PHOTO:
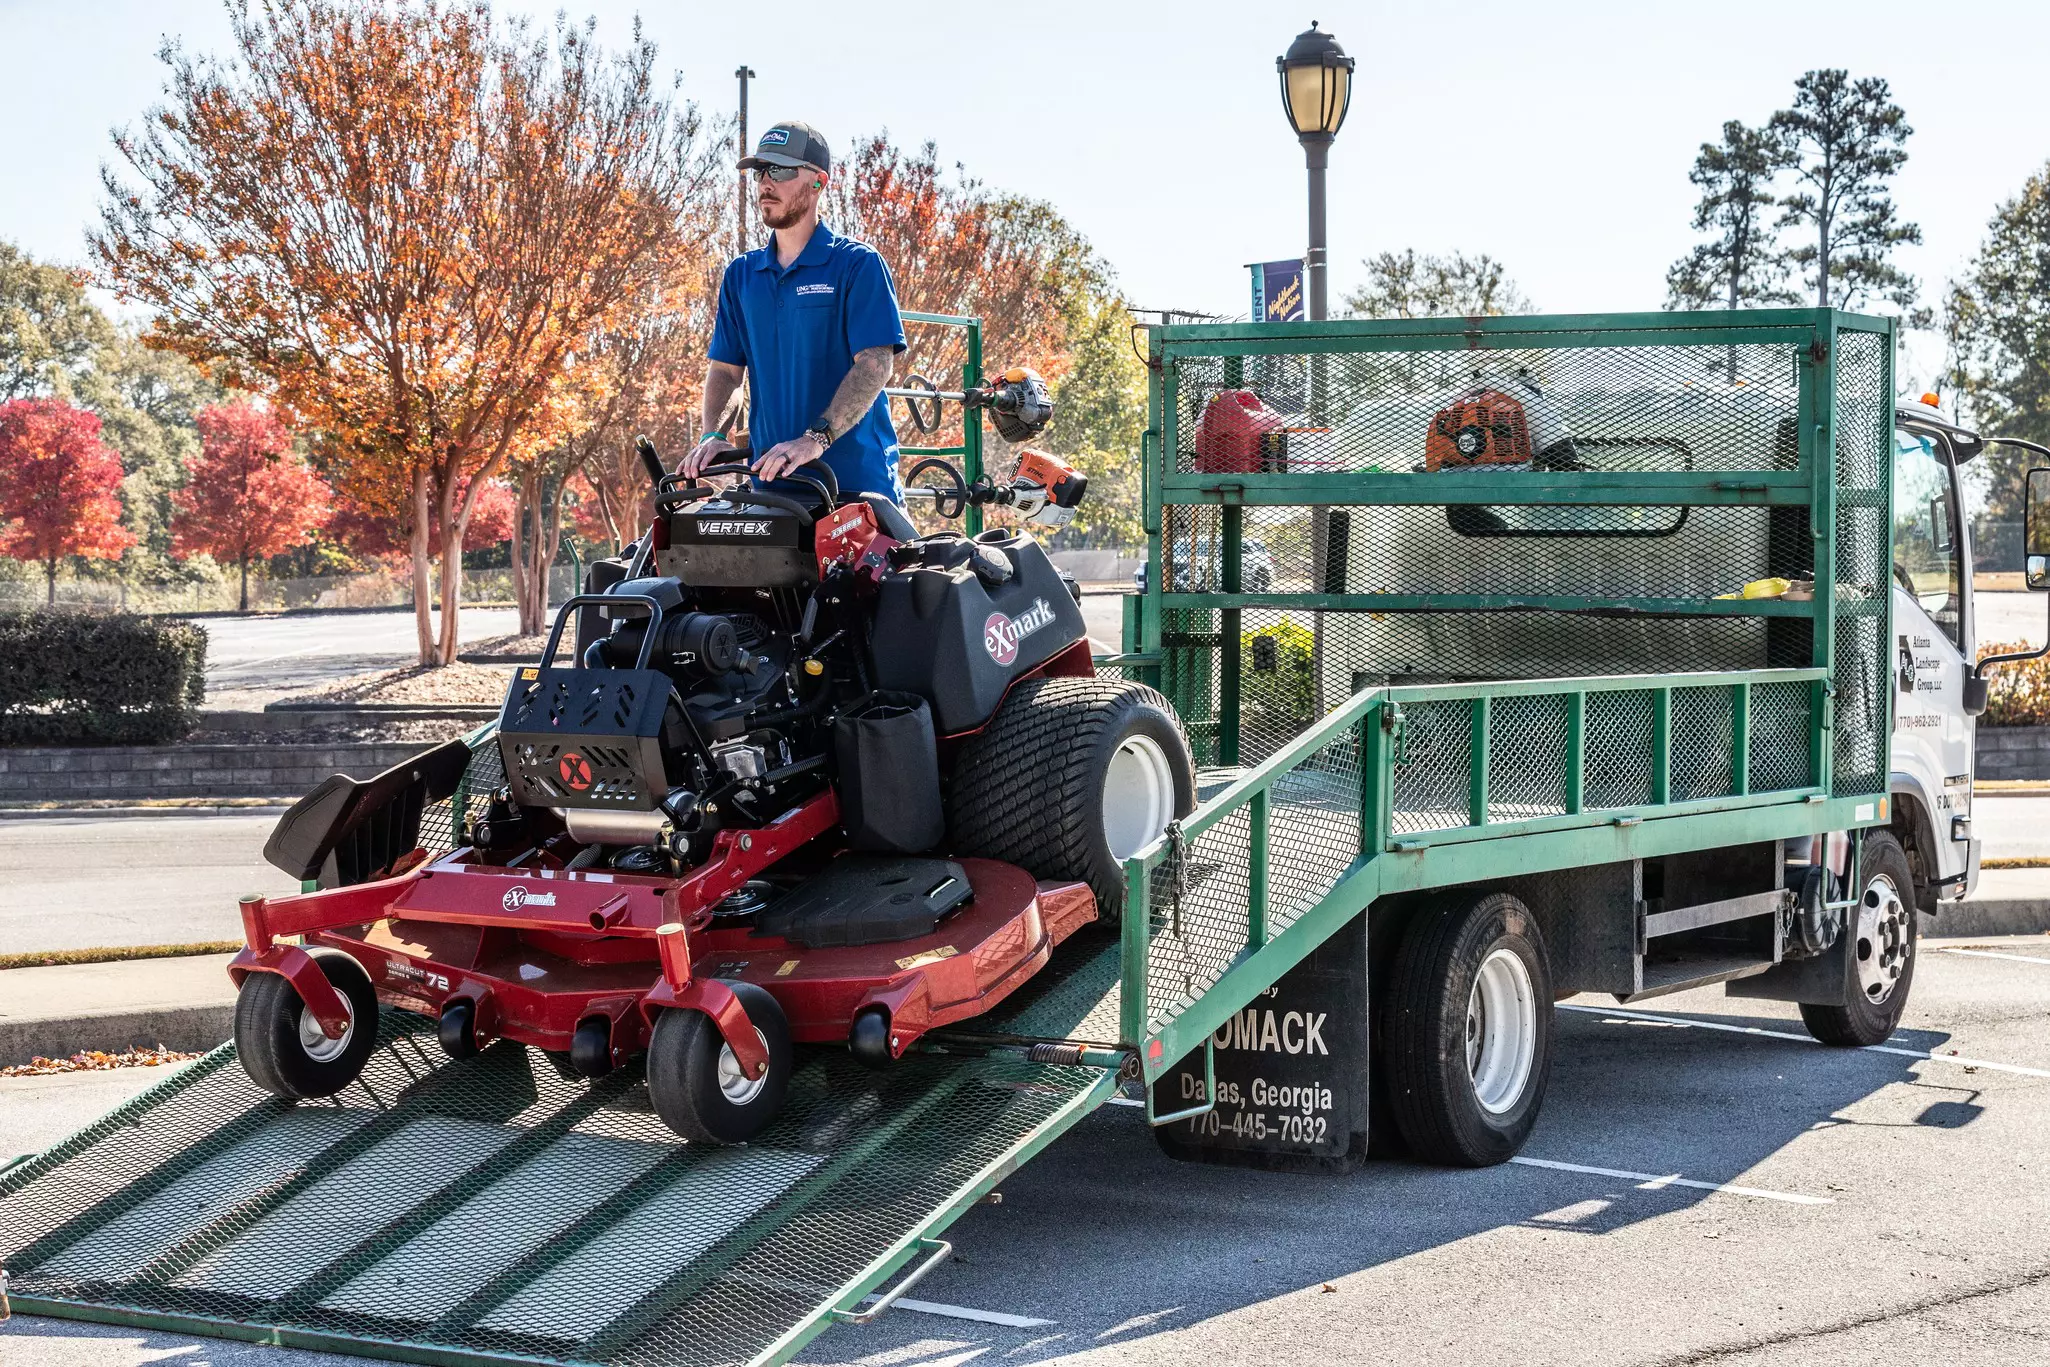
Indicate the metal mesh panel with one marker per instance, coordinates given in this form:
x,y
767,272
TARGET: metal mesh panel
x,y
1684,554
1628,408
1701,743
1527,758
1433,768
496,1206
1860,661
441,823
1200,906
1314,825
1860,730
1619,732
1201,924
1779,737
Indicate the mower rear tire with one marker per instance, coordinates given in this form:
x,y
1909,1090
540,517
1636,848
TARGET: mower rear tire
x,y
694,1078
282,1046
1071,778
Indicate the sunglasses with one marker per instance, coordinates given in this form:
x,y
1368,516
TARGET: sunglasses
x,y
782,175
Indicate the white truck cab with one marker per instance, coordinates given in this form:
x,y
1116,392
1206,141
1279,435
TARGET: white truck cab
x,y
1938,678
1934,649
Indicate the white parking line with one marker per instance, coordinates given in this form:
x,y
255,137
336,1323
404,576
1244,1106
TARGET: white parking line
x,y
1649,1181
962,1312
1989,954
1697,1023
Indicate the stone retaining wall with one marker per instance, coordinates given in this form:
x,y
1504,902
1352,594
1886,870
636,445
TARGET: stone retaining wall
x,y
142,772
2013,752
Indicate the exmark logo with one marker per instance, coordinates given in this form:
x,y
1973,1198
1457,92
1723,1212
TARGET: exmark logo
x,y
517,896
1001,634
731,527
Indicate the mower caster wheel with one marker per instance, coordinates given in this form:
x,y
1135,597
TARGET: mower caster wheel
x,y
282,1046
869,1040
695,1080
590,1049
458,1029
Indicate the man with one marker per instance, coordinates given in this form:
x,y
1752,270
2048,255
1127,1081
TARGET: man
x,y
811,321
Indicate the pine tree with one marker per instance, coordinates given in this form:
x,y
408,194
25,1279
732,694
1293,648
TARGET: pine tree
x,y
1844,140
1744,262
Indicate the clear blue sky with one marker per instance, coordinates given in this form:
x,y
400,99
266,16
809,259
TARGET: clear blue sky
x,y
1556,137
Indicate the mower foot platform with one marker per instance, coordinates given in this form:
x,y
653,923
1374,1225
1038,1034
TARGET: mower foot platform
x,y
498,1209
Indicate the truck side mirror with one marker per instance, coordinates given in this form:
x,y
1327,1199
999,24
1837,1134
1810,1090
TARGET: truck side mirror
x,y
2036,530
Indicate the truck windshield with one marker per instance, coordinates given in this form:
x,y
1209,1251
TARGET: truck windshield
x,y
1926,555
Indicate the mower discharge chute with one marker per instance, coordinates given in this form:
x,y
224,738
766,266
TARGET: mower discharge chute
x,y
801,776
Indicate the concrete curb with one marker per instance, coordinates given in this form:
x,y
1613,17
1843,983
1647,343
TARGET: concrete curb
x,y
278,808
188,1029
185,1003
1994,916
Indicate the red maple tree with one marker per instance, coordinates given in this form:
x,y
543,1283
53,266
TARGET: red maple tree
x,y
60,486
249,496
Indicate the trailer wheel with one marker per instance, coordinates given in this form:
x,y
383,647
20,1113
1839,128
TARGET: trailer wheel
x,y
1070,779
282,1046
695,1080
1467,1030
1879,953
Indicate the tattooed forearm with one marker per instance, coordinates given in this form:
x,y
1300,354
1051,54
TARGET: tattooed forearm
x,y
871,371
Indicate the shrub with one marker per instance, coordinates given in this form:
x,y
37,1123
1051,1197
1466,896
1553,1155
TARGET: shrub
x,y
69,678
2017,694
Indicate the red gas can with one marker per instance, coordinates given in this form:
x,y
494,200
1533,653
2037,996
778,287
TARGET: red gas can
x,y
1238,434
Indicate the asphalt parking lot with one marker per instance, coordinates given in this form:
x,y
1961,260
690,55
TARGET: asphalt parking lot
x,y
1705,1186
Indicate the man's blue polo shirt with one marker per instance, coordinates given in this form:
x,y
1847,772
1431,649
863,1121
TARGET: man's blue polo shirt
x,y
796,329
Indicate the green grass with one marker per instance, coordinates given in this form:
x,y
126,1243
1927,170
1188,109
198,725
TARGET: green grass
x,y
51,958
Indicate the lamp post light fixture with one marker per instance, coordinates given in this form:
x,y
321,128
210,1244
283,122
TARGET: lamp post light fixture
x,y
1316,88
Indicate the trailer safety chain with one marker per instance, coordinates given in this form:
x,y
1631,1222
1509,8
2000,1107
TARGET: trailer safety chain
x,y
1177,864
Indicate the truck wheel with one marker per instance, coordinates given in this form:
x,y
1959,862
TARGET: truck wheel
x,y
1879,953
695,1081
281,1045
1467,1030
1070,779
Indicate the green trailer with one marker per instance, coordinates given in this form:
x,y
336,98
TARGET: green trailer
x,y
1486,735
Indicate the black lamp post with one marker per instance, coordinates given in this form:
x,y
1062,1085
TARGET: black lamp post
x,y
1316,87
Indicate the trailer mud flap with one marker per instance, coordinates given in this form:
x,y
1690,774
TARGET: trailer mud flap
x,y
499,1209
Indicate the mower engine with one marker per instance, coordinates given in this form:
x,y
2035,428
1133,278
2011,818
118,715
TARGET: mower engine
x,y
749,623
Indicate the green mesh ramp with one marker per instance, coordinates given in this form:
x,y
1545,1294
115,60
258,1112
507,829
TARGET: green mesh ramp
x,y
496,1210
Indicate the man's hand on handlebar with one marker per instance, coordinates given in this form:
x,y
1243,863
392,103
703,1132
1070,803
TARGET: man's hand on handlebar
x,y
785,456
707,452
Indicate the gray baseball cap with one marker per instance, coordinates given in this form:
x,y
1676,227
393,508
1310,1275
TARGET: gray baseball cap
x,y
790,144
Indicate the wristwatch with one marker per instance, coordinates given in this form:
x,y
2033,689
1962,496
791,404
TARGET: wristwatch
x,y
824,433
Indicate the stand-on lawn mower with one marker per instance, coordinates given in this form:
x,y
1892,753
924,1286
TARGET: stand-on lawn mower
x,y
808,777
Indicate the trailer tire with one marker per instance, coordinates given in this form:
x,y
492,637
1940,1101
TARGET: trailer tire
x,y
1070,778
1879,952
695,1081
1467,1030
282,1047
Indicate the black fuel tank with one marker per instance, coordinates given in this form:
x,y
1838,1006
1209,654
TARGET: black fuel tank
x,y
969,617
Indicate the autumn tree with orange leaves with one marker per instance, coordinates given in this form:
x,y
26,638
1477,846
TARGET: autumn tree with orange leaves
x,y
249,496
60,487
954,247
407,223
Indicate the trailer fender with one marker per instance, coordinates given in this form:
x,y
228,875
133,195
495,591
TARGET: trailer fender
x,y
714,999
297,967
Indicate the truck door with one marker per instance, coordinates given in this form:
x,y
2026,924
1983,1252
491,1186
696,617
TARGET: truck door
x,y
1932,737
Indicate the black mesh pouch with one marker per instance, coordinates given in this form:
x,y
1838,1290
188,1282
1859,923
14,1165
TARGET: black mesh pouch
x,y
889,774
